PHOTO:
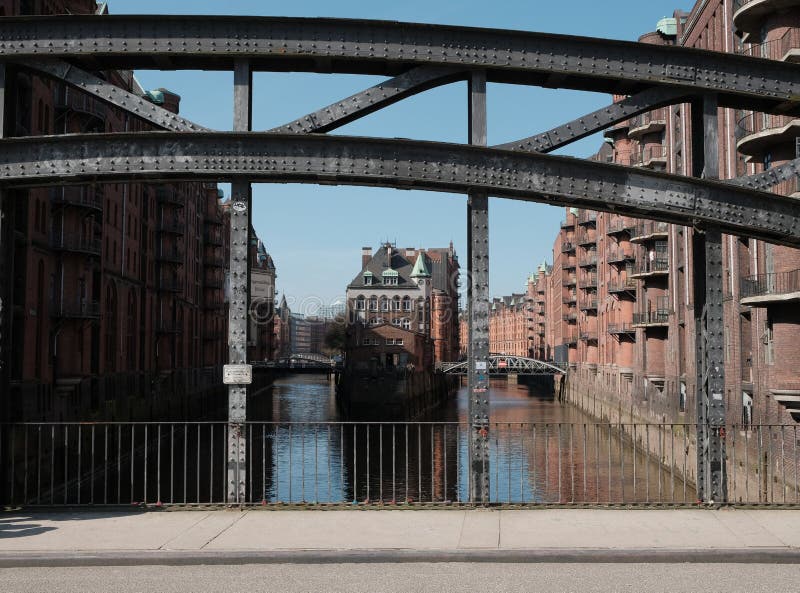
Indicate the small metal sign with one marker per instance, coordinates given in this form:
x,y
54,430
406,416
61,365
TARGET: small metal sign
x,y
480,366
237,374
502,364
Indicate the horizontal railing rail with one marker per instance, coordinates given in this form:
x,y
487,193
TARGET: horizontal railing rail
x,y
184,463
769,284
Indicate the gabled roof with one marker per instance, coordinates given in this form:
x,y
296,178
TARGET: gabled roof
x,y
378,264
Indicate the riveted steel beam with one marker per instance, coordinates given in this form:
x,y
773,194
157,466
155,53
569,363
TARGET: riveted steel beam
x,y
390,48
114,95
769,178
311,158
597,120
709,318
368,101
239,311
478,306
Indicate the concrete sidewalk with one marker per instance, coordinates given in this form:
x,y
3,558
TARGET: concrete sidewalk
x,y
257,536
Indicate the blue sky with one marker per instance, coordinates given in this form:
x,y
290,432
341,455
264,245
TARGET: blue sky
x,y
315,234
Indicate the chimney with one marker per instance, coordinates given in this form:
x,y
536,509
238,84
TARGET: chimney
x,y
366,255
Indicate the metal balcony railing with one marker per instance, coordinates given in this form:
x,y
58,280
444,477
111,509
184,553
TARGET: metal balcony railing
x,y
76,309
620,256
587,239
569,280
588,305
752,122
588,260
618,226
770,284
567,224
588,336
654,317
775,49
646,123
170,254
567,247
76,244
650,229
172,226
68,98
587,217
166,195
571,338
659,265
83,197
617,286
569,317
570,297
621,328
652,154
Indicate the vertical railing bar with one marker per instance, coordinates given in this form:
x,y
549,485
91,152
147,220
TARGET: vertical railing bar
x,y
406,426
795,462
761,491
672,461
634,461
302,430
355,464
572,463
733,473
685,456
290,463
508,461
533,477
80,465
367,498
39,464
622,443
783,462
608,428
747,464
158,463
328,457
546,457
647,462
105,464
250,452
771,471
264,463
172,463
277,456
91,471
13,448
444,447
52,460
496,463
597,462
211,455
146,431
185,459
457,485
380,462
197,468
559,425
394,464
585,436
522,459
433,486
25,467
341,461
419,463
132,458
660,465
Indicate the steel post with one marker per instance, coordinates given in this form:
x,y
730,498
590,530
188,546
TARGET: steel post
x,y
238,317
478,306
709,320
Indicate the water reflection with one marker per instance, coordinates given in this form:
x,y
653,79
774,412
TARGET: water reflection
x,y
540,451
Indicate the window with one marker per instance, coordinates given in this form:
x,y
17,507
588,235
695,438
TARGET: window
x,y
390,341
396,304
384,304
405,323
398,342
390,281
360,303
367,341
368,279
395,321
373,303
406,304
769,349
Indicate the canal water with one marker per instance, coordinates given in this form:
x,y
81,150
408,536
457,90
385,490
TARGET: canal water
x,y
540,451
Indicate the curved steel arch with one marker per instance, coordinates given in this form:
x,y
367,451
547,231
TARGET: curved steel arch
x,y
402,164
390,48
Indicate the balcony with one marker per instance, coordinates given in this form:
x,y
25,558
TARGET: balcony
x,y
80,197
569,299
569,281
748,16
589,304
618,226
784,49
567,224
657,314
621,286
68,99
647,269
653,157
589,260
766,289
588,336
171,255
76,244
567,247
647,123
76,309
620,256
569,317
757,132
587,239
616,329
589,281
587,217
571,339
650,230
569,264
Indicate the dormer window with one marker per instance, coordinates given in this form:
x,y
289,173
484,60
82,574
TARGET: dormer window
x,y
390,277
368,278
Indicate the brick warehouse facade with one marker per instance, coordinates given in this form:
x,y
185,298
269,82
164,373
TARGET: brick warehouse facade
x,y
621,306
118,306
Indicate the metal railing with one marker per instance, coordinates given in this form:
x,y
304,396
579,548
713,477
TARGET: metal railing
x,y
650,228
618,225
587,217
767,284
67,98
567,247
655,119
654,152
81,196
621,328
653,317
76,309
751,122
76,243
648,266
775,49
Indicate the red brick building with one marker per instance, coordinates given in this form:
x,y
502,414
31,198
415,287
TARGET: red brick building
x,y
117,308
621,298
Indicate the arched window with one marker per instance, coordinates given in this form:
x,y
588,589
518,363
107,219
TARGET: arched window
x,y
396,303
373,303
360,302
384,304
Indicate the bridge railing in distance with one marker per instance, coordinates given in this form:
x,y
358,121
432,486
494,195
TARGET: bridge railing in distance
x,y
183,463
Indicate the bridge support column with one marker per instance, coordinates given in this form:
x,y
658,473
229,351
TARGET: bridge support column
x,y
239,314
6,277
478,307
708,317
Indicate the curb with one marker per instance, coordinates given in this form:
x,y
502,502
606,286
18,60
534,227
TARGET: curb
x,y
545,555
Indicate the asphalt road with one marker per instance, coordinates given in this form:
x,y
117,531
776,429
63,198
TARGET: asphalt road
x,y
377,578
